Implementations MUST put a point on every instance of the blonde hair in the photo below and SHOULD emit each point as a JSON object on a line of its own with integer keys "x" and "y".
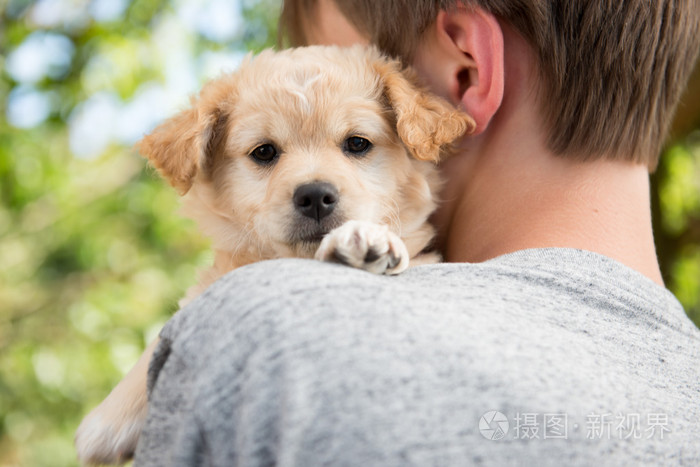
{"x": 612, "y": 71}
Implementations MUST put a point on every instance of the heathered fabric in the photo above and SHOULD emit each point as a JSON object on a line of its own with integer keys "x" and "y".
{"x": 297, "y": 362}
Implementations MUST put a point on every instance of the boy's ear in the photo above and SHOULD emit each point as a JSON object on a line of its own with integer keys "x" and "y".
{"x": 180, "y": 147}
{"x": 425, "y": 122}
{"x": 462, "y": 57}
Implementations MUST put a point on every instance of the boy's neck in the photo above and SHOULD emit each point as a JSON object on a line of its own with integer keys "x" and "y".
{"x": 509, "y": 193}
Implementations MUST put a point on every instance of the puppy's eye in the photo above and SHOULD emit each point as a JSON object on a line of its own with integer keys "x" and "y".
{"x": 264, "y": 154}
{"x": 357, "y": 145}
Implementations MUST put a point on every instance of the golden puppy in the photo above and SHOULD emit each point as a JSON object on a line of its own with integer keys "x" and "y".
{"x": 313, "y": 152}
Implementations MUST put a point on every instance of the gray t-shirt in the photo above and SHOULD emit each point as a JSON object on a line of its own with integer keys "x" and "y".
{"x": 540, "y": 357}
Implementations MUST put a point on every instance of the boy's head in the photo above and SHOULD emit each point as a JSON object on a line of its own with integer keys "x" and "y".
{"x": 611, "y": 72}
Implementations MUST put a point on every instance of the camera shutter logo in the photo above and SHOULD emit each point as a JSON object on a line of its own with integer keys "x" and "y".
{"x": 494, "y": 425}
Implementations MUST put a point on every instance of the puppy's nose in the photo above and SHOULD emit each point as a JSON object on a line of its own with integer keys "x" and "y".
{"x": 315, "y": 200}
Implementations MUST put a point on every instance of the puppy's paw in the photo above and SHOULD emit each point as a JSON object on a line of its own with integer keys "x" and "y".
{"x": 108, "y": 434}
{"x": 365, "y": 245}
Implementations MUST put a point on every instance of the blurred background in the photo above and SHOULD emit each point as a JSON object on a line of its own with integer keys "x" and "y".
{"x": 93, "y": 256}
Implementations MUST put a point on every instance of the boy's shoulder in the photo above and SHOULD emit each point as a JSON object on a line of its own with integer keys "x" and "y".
{"x": 566, "y": 283}
{"x": 418, "y": 359}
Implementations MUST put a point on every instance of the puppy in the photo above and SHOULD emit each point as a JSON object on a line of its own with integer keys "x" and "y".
{"x": 312, "y": 152}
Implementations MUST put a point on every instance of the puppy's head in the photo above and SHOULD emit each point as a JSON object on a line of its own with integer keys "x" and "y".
{"x": 295, "y": 143}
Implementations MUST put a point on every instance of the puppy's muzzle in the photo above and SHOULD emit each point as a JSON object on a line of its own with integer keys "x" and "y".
{"x": 316, "y": 200}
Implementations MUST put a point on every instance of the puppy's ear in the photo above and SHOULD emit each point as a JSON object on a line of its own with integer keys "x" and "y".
{"x": 425, "y": 123}
{"x": 180, "y": 147}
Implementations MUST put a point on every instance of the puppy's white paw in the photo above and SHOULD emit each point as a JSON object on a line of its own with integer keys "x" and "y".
{"x": 365, "y": 245}
{"x": 108, "y": 434}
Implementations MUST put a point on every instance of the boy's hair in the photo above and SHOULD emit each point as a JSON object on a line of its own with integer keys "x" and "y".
{"x": 612, "y": 71}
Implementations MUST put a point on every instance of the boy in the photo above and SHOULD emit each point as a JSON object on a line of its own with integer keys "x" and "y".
{"x": 558, "y": 344}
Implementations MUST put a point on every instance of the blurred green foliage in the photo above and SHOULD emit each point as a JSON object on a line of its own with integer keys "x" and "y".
{"x": 93, "y": 254}
{"x": 676, "y": 209}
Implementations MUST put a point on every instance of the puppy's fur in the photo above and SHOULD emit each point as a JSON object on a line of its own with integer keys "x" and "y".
{"x": 312, "y": 152}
